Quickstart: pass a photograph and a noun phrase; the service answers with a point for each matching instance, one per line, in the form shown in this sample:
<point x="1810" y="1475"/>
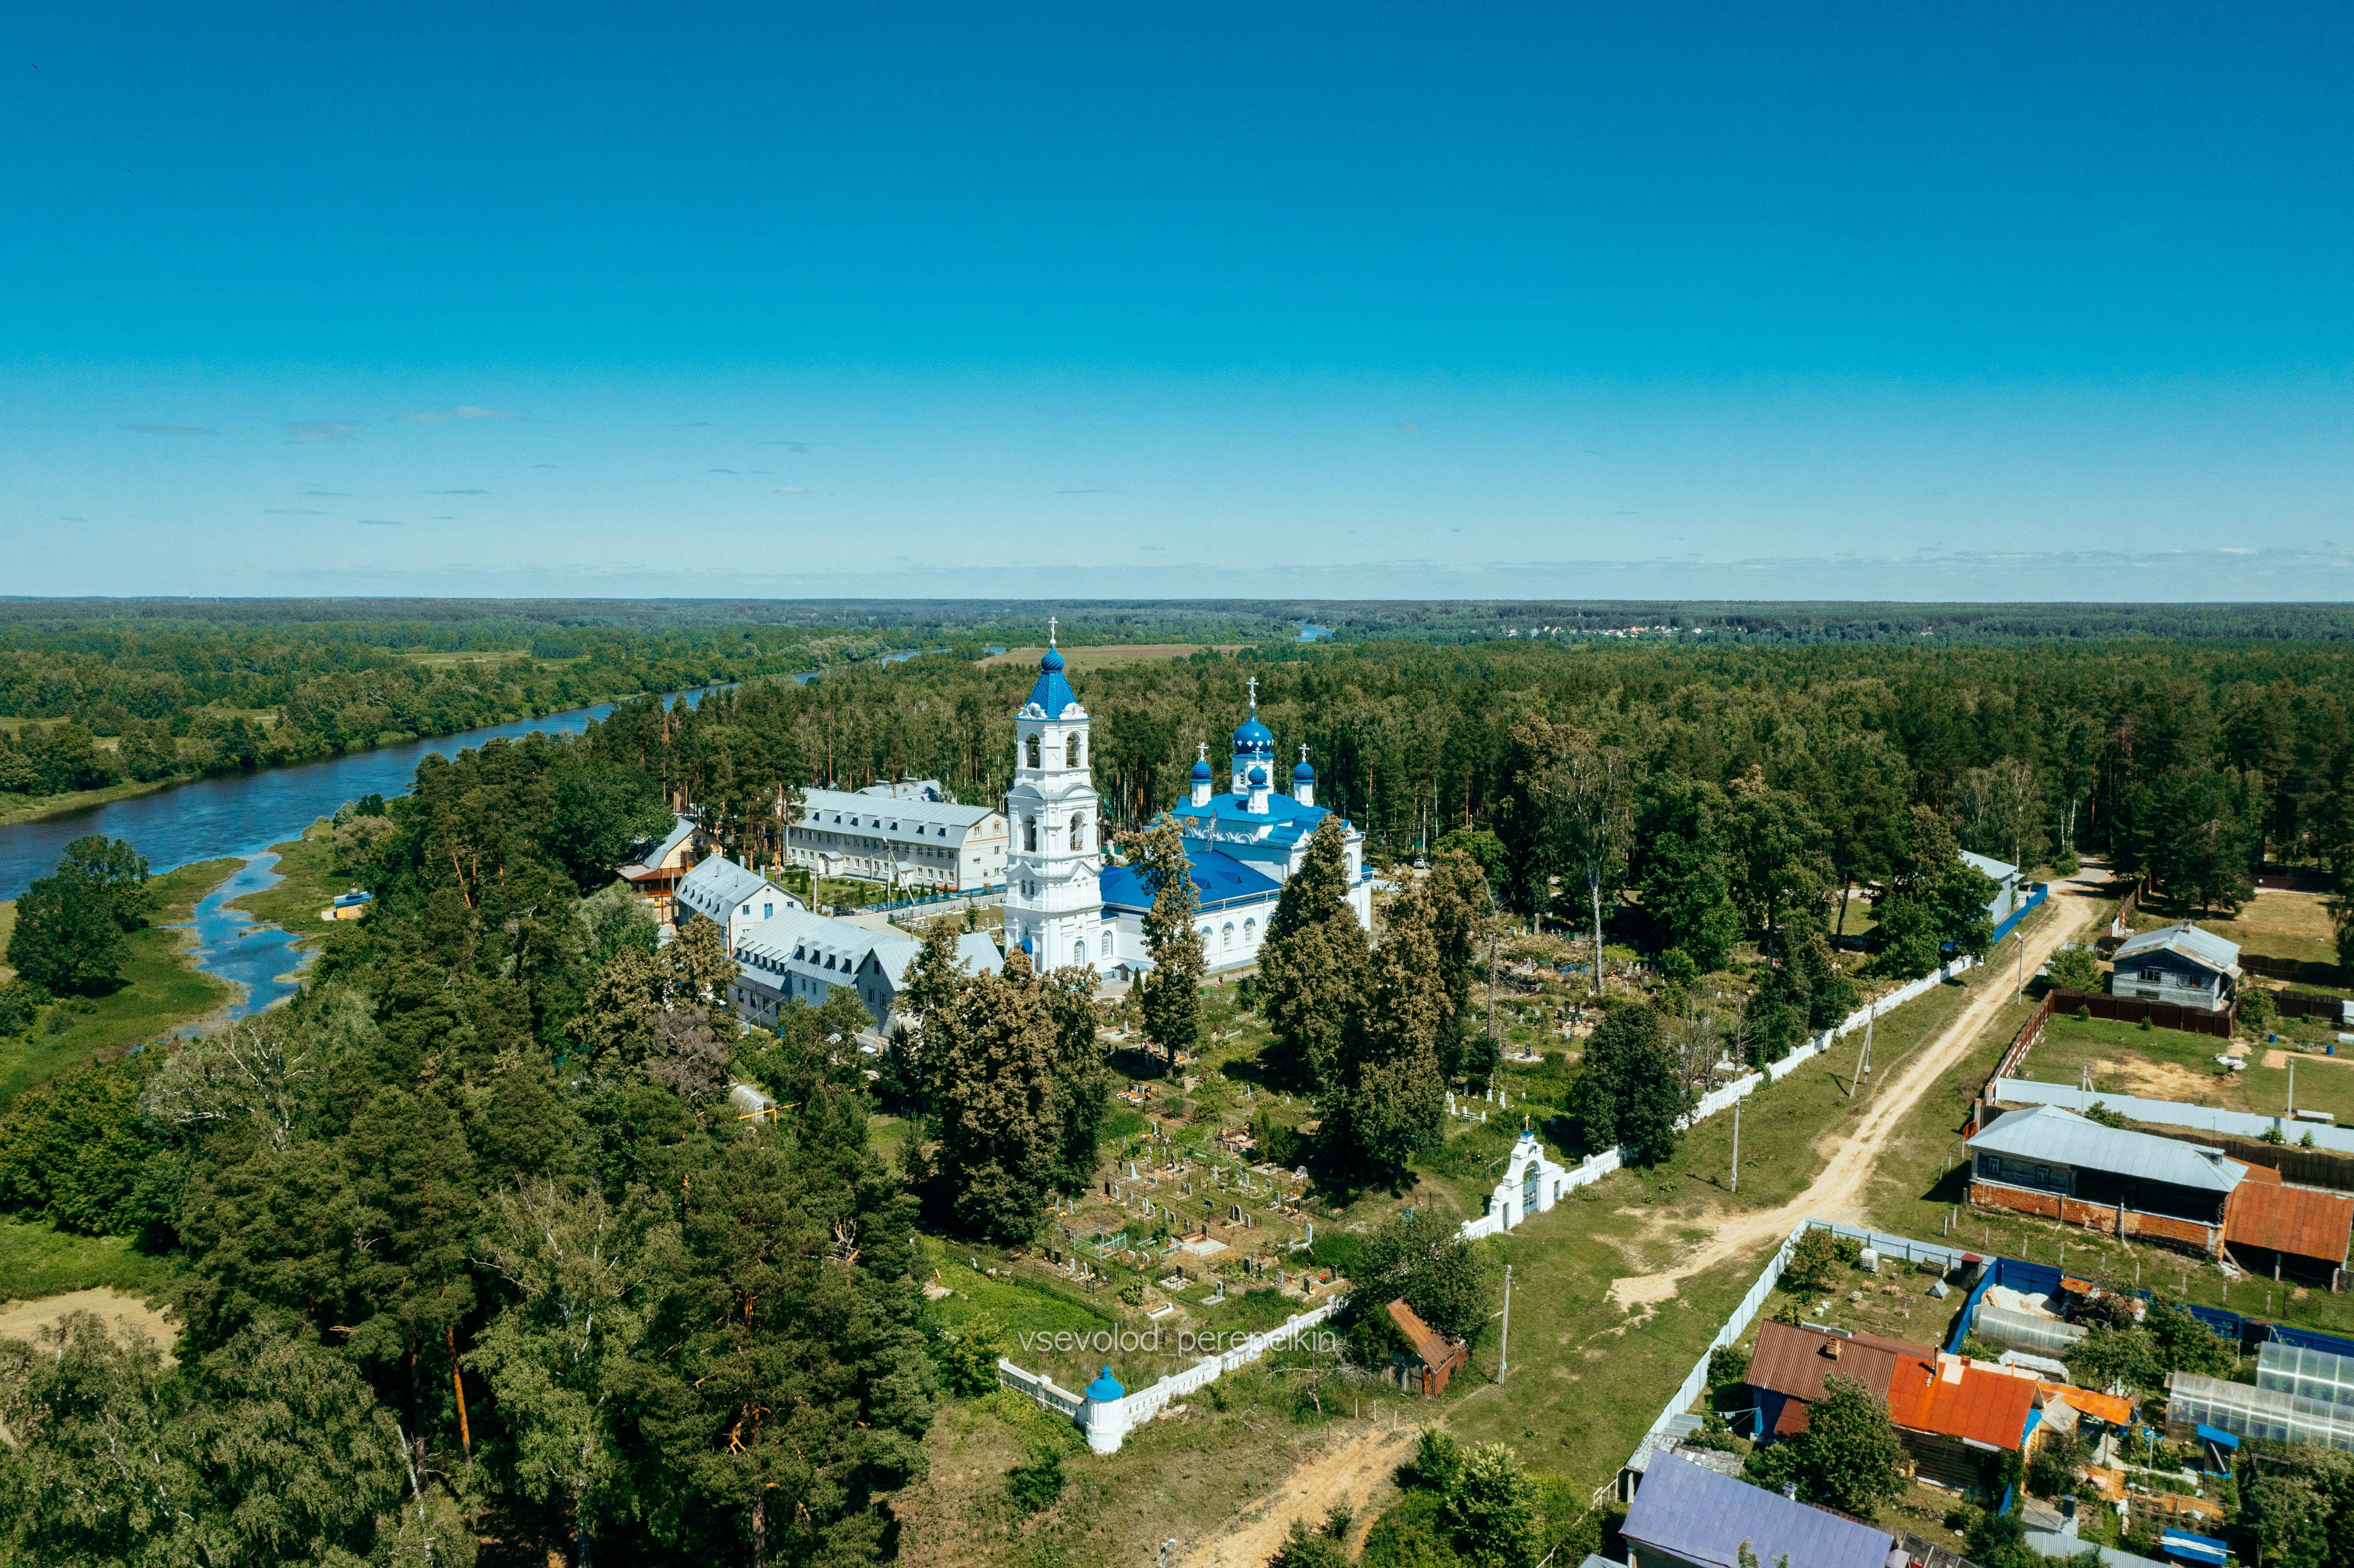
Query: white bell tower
<point x="1053" y="905"/>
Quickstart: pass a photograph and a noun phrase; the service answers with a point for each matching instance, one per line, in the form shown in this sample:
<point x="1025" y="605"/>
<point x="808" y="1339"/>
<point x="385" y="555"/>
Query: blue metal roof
<point x="1226" y="808"/>
<point x="2216" y="1435"/>
<point x="1698" y="1516"/>
<point x="1253" y="739"/>
<point x="2189" y="1548"/>
<point x="1106" y="1387"/>
<point x="1052" y="693"/>
<point x="1217" y="879"/>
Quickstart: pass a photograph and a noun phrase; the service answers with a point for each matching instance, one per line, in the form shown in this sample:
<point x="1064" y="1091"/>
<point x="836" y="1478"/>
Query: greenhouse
<point x="2271" y="1414"/>
<point x="2315" y="1375"/>
<point x="2025" y="1330"/>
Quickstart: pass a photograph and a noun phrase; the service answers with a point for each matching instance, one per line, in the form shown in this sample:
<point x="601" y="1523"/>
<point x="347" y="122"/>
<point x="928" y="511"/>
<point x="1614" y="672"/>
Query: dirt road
<point x="126" y="1314"/>
<point x="1356" y="1471"/>
<point x="1839" y="1192"/>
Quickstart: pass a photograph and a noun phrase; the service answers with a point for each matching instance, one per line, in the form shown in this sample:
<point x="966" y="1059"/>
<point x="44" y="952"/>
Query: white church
<point x="1064" y="905"/>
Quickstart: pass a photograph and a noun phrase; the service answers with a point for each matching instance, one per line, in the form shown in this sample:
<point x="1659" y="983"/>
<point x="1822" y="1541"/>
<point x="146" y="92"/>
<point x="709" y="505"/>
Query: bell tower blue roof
<point x="1106" y="1387"/>
<point x="1051" y="694"/>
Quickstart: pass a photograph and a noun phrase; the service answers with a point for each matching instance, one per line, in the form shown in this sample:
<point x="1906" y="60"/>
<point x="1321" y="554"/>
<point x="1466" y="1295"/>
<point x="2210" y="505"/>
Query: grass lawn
<point x="309" y="884"/>
<point x="2169" y="1064"/>
<point x="161" y="989"/>
<point x="7" y="929"/>
<point x="36" y="1261"/>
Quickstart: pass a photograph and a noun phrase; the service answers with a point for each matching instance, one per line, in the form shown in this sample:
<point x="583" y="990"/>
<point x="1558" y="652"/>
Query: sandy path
<point x="1357" y="1470"/>
<point x="126" y="1315"/>
<point x="1839" y="1192"/>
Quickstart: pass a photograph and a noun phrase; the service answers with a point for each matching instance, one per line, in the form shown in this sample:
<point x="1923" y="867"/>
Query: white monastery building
<point x="731" y="895"/>
<point x="902" y="833"/>
<point x="1064" y="905"/>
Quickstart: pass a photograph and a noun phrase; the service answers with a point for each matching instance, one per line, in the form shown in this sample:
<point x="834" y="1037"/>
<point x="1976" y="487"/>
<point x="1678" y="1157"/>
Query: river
<point x="241" y="815"/>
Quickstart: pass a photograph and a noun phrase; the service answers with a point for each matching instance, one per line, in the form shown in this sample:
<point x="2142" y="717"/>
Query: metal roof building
<point x="2057" y="1136"/>
<point x="1788" y="1369"/>
<point x="1687" y="1517"/>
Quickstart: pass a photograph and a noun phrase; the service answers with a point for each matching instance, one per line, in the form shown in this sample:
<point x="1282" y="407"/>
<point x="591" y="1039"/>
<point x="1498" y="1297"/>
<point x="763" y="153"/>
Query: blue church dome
<point x="1301" y="771"/>
<point x="1106" y="1387"/>
<point x="1253" y="739"/>
<point x="1256" y="778"/>
<point x="1052" y="693"/>
<point x="1201" y="767"/>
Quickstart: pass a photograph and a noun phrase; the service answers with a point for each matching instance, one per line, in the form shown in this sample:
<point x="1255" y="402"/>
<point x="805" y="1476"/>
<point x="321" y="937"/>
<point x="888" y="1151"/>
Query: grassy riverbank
<point x="308" y="883"/>
<point x="161" y="989"/>
<point x="17" y="808"/>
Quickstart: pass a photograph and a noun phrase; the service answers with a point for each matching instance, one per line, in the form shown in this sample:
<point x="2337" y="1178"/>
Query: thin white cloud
<point x="464" y="411"/>
<point x="379" y="521"/>
<point x="317" y="432"/>
<point x="793" y="490"/>
<point x="172" y="430"/>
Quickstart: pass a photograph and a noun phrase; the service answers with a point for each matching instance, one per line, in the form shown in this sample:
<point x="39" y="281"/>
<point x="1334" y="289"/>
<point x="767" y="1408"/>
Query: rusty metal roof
<point x="1795" y="1361"/>
<point x="2295" y="1220"/>
<point x="1432" y="1346"/>
<point x="1949" y="1397"/>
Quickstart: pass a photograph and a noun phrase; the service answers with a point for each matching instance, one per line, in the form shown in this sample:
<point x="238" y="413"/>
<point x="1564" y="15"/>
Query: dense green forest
<point x="2196" y="762"/>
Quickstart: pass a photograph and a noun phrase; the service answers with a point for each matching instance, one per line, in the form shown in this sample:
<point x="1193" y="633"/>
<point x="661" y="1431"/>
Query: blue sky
<point x="1798" y="301"/>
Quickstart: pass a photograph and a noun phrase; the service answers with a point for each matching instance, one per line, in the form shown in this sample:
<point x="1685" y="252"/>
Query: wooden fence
<point x="2014" y="1057"/>
<point x="2296" y="971"/>
<point x="2133" y="1010"/>
<point x="2306" y="1004"/>
<point x="2296" y="879"/>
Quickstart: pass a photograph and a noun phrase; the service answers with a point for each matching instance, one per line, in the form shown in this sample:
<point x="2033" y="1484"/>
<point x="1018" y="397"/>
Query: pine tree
<point x="997" y="1087"/>
<point x="1169" y="994"/>
<point x="1311" y="968"/>
<point x="1383" y="1099"/>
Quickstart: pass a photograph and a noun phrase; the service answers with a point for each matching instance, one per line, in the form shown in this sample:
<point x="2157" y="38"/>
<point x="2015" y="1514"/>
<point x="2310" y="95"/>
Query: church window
<point x="1033" y="750"/>
<point x="1080" y="953"/>
<point x="1107" y="944"/>
<point x="1071" y="751"/>
<point x="1030" y="834"/>
<point x="1250" y="931"/>
<point x="1079" y="830"/>
<point x="1227" y="937"/>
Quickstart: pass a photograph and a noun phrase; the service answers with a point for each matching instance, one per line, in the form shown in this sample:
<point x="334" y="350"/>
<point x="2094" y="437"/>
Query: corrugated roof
<point x="1792" y="1360"/>
<point x="2200" y="946"/>
<point x="647" y="856"/>
<point x="1700" y="1516"/>
<point x="1951" y="1397"/>
<point x="2116" y="1409"/>
<point x="2290" y="1219"/>
<point x="2000" y="870"/>
<point x="2062" y="1138"/>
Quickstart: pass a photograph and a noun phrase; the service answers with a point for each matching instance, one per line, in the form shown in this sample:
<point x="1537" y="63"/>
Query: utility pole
<point x="1863" y="1058"/>
<point x="1736" y="1143"/>
<point x="2020" y="937"/>
<point x="2292" y="1088"/>
<point x="1504" y="1351"/>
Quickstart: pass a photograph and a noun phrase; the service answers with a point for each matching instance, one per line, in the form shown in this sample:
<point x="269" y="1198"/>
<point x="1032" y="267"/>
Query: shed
<point x="2009" y="889"/>
<point x="2289" y="1232"/>
<point x="1687" y="1517"/>
<point x="2180" y="964"/>
<point x="1434" y="1358"/>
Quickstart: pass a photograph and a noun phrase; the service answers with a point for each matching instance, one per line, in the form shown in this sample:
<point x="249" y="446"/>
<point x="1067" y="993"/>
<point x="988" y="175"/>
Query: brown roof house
<point x="1787" y="1369"/>
<point x="1434" y="1358"/>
